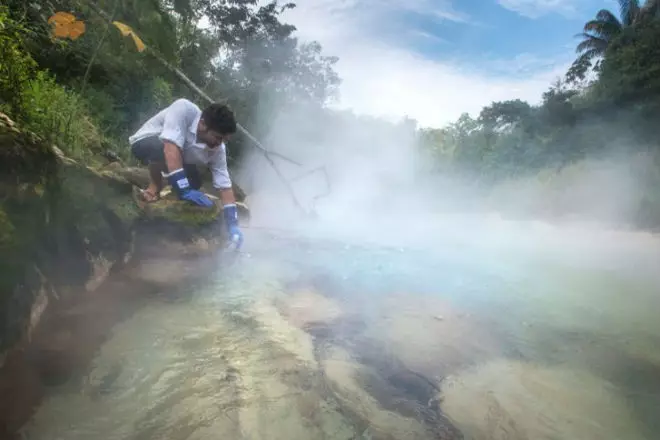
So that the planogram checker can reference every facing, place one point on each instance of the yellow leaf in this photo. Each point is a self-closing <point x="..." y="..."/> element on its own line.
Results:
<point x="127" y="31"/>
<point x="124" y="29"/>
<point x="65" y="25"/>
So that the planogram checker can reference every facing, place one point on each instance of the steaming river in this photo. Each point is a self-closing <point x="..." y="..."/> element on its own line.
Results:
<point x="555" y="337"/>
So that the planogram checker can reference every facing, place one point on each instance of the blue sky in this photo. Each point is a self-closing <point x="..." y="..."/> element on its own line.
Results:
<point x="435" y="59"/>
<point x="497" y="30"/>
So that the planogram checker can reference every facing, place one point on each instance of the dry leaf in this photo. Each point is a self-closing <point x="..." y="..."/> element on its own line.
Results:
<point x="62" y="18"/>
<point x="65" y="25"/>
<point x="76" y="29"/>
<point x="127" y="31"/>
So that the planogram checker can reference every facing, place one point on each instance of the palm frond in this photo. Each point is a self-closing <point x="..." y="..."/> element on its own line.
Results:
<point x="629" y="11"/>
<point x="607" y="16"/>
<point x="591" y="42"/>
<point x="601" y="29"/>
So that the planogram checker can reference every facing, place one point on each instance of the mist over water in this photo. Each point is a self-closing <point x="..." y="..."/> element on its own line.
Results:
<point x="382" y="187"/>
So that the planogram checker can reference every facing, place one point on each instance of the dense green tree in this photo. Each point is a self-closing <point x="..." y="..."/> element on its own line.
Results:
<point x="631" y="69"/>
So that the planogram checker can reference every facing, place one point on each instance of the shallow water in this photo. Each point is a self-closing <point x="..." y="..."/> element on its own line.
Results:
<point x="554" y="336"/>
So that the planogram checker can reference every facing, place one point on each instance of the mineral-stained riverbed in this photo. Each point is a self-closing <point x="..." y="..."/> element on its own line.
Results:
<point x="557" y="338"/>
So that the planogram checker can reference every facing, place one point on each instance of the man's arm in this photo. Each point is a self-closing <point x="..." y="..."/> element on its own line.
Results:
<point x="221" y="179"/>
<point x="227" y="196"/>
<point x="222" y="182"/>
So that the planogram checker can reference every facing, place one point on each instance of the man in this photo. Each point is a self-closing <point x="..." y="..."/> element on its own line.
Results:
<point x="177" y="139"/>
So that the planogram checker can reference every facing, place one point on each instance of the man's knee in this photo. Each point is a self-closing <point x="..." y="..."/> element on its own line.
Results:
<point x="149" y="150"/>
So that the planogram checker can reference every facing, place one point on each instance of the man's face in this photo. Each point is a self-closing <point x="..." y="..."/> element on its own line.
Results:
<point x="210" y="137"/>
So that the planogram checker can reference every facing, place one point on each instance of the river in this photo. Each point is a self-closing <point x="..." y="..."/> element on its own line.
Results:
<point x="539" y="333"/>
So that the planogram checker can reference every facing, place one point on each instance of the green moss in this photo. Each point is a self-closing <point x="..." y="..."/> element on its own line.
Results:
<point x="177" y="211"/>
<point x="125" y="209"/>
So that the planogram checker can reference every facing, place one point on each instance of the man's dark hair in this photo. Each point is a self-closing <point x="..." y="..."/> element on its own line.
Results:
<point x="220" y="118"/>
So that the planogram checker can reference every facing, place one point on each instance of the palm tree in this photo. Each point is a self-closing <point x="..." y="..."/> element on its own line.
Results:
<point x="598" y="33"/>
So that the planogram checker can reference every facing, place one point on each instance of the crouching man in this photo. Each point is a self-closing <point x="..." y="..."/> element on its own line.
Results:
<point x="177" y="139"/>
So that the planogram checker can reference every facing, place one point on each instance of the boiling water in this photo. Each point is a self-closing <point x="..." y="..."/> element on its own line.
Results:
<point x="555" y="338"/>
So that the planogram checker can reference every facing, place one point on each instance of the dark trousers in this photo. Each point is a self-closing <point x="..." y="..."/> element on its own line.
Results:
<point x="152" y="150"/>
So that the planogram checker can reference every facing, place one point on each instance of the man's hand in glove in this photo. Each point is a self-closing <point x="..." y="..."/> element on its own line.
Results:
<point x="231" y="222"/>
<point x="182" y="188"/>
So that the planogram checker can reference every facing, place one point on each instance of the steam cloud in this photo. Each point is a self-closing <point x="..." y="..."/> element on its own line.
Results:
<point x="383" y="190"/>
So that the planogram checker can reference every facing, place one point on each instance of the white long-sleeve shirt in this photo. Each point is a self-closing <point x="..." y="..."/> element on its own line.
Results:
<point x="178" y="124"/>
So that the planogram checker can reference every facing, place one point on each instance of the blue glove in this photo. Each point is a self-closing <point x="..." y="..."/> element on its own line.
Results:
<point x="181" y="186"/>
<point x="231" y="222"/>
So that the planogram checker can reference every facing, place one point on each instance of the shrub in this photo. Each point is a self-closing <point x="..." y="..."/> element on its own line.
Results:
<point x="16" y="65"/>
<point x="61" y="117"/>
<point x="35" y="100"/>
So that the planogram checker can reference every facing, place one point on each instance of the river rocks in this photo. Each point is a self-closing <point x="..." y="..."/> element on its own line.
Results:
<point x="304" y="308"/>
<point x="176" y="372"/>
<point x="510" y="400"/>
<point x="161" y="272"/>
<point x="430" y="336"/>
<point x="280" y="330"/>
<point x="170" y="209"/>
<point x="342" y="374"/>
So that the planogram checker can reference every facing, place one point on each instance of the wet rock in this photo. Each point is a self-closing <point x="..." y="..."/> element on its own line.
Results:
<point x="161" y="272"/>
<point x="176" y="228"/>
<point x="509" y="400"/>
<point x="133" y="175"/>
<point x="169" y="208"/>
<point x="21" y="390"/>
<point x="430" y="336"/>
<point x="102" y="381"/>
<point x="346" y="378"/>
<point x="307" y="308"/>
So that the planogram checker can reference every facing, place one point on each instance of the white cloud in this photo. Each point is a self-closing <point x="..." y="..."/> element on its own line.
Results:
<point x="538" y="8"/>
<point x="426" y="36"/>
<point x="385" y="78"/>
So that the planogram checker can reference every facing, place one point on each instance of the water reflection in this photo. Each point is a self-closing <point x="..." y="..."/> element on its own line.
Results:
<point x="309" y="340"/>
